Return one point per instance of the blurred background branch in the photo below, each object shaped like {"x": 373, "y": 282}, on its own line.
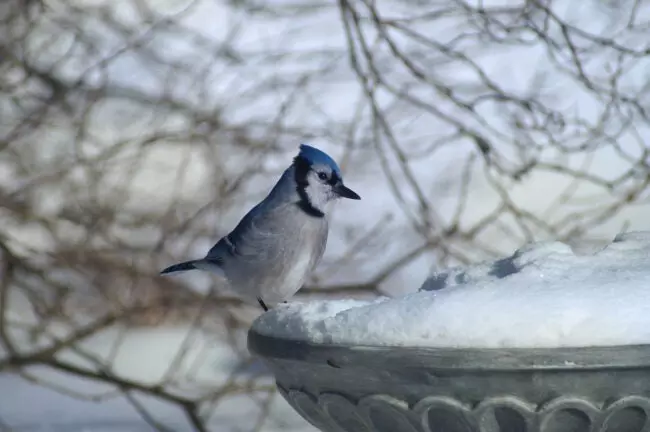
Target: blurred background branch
{"x": 134, "y": 134}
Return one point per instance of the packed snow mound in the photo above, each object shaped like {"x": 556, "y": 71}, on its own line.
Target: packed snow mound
{"x": 541, "y": 296}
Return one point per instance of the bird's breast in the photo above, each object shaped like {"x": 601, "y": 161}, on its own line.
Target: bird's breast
{"x": 297, "y": 258}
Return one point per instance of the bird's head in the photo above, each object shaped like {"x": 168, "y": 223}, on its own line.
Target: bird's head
{"x": 318, "y": 180}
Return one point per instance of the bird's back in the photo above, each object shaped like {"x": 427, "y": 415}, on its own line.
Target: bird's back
{"x": 274, "y": 247}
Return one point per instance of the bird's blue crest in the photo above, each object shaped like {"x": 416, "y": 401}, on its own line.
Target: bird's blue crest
{"x": 315, "y": 156}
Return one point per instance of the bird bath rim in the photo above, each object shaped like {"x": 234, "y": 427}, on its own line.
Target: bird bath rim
{"x": 452, "y": 359}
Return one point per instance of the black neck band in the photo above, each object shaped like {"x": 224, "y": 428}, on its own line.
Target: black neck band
{"x": 301, "y": 169}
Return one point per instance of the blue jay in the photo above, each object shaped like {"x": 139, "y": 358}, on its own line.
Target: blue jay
{"x": 270, "y": 253}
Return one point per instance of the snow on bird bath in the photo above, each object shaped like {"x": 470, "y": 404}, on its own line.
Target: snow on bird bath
{"x": 542, "y": 296}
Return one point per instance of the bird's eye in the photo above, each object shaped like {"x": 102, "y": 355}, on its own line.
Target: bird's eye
{"x": 322, "y": 176}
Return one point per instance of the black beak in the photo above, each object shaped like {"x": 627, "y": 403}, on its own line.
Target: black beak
{"x": 345, "y": 192}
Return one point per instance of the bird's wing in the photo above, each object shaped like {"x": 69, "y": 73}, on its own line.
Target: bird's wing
{"x": 252, "y": 238}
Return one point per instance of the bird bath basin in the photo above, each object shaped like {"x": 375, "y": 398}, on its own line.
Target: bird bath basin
{"x": 542, "y": 341}
{"x": 380, "y": 389}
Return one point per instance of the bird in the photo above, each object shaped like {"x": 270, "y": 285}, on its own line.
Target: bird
{"x": 268, "y": 256}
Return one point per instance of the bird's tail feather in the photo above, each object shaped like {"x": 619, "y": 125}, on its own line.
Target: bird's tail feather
{"x": 184, "y": 266}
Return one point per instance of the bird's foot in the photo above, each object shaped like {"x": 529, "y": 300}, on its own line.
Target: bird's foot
{"x": 261, "y": 302}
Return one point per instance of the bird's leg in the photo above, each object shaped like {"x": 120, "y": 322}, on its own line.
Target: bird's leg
{"x": 261, "y": 302}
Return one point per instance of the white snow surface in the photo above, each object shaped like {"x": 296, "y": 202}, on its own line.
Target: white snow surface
{"x": 542, "y": 296}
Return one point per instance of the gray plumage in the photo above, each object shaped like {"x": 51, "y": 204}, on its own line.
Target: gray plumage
{"x": 270, "y": 253}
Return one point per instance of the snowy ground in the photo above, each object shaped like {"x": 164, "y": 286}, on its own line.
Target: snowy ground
{"x": 542, "y": 296}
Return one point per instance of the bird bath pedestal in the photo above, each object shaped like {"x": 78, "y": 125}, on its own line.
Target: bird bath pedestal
{"x": 384, "y": 389}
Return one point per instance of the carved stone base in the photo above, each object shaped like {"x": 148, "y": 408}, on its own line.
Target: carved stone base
{"x": 331, "y": 412}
